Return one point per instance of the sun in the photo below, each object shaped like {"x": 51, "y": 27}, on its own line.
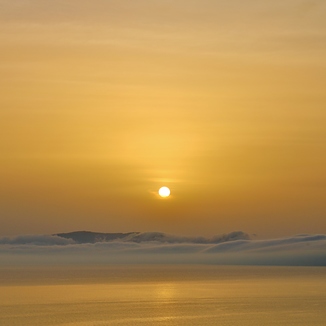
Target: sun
{"x": 164, "y": 192}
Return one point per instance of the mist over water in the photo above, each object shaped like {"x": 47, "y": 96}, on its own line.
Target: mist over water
{"x": 235, "y": 248}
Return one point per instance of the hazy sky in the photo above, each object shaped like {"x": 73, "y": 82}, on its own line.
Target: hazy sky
{"x": 102, "y": 102}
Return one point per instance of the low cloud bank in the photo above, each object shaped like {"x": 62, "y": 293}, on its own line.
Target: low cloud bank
{"x": 158, "y": 248}
{"x": 38, "y": 240}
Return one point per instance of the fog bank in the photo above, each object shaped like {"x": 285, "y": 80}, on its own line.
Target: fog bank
{"x": 158, "y": 248}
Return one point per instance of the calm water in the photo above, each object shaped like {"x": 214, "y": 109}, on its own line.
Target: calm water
{"x": 161, "y": 295}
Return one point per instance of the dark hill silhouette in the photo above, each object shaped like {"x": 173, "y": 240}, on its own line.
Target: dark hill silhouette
{"x": 93, "y": 237}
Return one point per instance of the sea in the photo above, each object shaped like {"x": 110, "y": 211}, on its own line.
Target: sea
{"x": 164, "y": 295}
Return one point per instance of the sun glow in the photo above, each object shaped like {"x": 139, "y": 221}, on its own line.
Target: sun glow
{"x": 164, "y": 192}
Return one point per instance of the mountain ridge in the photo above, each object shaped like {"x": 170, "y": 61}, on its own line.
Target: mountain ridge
{"x": 139, "y": 237}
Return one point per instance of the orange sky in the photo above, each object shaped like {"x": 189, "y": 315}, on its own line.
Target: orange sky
{"x": 102, "y": 102}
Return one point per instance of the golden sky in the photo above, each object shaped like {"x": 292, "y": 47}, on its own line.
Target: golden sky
{"x": 102, "y": 102}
